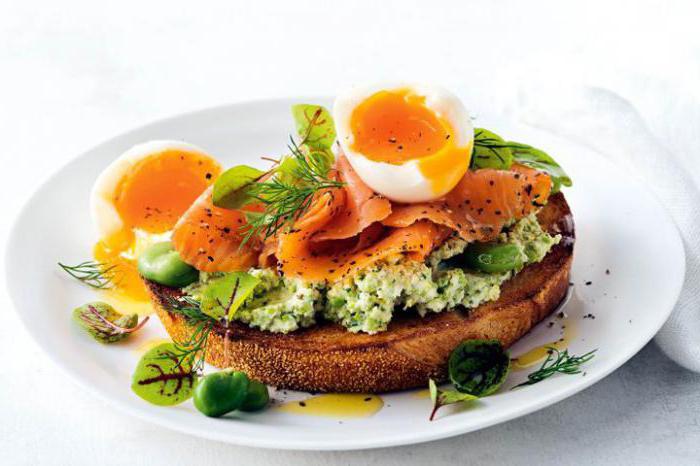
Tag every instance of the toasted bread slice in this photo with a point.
(328, 358)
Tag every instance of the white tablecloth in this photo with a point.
(75, 73)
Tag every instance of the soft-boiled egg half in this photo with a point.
(411, 143)
(137, 200)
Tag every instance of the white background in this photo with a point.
(75, 73)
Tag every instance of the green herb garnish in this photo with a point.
(222, 296)
(162, 378)
(478, 367)
(558, 362)
(189, 308)
(490, 151)
(104, 324)
(192, 352)
(98, 275)
(314, 125)
(289, 188)
(287, 198)
(231, 188)
(442, 398)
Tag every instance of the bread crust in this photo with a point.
(328, 358)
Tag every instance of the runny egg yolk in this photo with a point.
(150, 197)
(158, 190)
(396, 126)
(127, 293)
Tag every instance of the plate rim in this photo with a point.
(404, 438)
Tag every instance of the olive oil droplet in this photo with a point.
(336, 405)
(425, 393)
(538, 354)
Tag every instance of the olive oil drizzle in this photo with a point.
(539, 354)
(336, 405)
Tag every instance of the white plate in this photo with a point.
(620, 228)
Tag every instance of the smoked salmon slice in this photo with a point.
(349, 228)
(324, 207)
(300, 256)
(348, 213)
(481, 203)
(209, 238)
(362, 206)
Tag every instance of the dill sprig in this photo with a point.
(98, 275)
(286, 200)
(558, 362)
(189, 308)
(192, 352)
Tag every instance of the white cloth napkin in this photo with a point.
(609, 124)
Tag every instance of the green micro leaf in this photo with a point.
(314, 126)
(289, 191)
(490, 151)
(222, 296)
(163, 379)
(478, 367)
(295, 172)
(287, 170)
(231, 188)
(539, 160)
(104, 324)
(442, 398)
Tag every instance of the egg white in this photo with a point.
(400, 182)
(104, 214)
